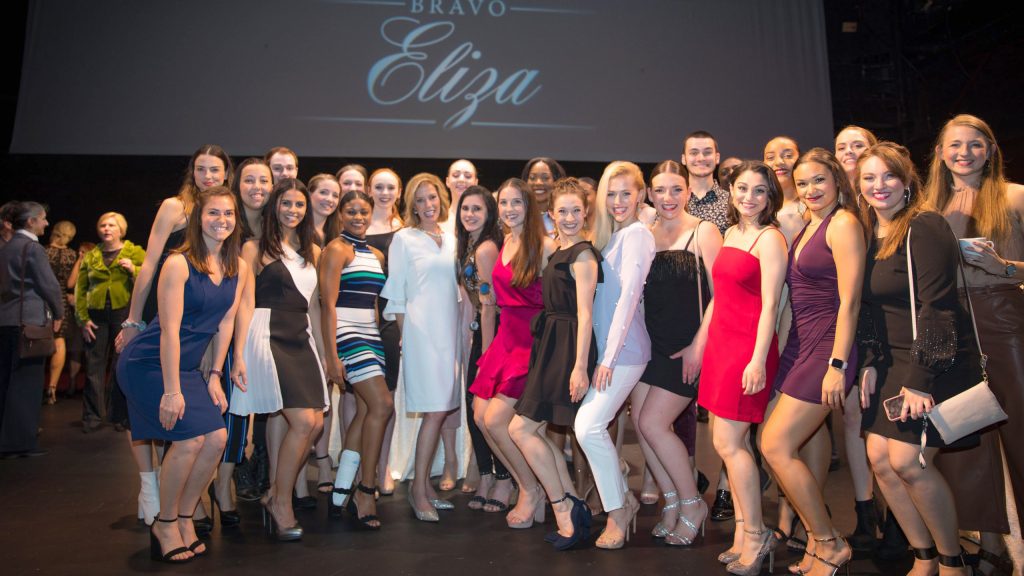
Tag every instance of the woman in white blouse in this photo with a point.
(623, 346)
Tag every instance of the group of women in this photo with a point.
(572, 303)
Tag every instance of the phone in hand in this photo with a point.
(893, 407)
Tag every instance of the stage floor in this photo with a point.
(73, 511)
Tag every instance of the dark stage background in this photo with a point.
(900, 68)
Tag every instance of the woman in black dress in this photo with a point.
(937, 364)
(563, 357)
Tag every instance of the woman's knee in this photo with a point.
(776, 449)
(303, 422)
(217, 440)
(497, 422)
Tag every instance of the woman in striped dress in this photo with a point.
(351, 275)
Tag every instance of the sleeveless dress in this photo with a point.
(731, 338)
(546, 396)
(670, 311)
(503, 367)
(390, 335)
(283, 368)
(359, 344)
(141, 378)
(814, 300)
(174, 240)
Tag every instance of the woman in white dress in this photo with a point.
(423, 298)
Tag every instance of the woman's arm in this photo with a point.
(221, 340)
(771, 253)
(486, 258)
(584, 270)
(846, 239)
(171, 302)
(395, 288)
(335, 257)
(243, 316)
(170, 213)
(709, 244)
(313, 314)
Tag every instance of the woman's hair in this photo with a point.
(332, 225)
(65, 232)
(409, 197)
(398, 190)
(270, 242)
(21, 212)
(526, 264)
(990, 216)
(897, 159)
(568, 185)
(491, 229)
(189, 188)
(604, 224)
(847, 197)
(357, 167)
(280, 150)
(557, 172)
(775, 198)
(122, 224)
(867, 134)
(194, 248)
(670, 167)
(236, 187)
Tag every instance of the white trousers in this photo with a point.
(596, 412)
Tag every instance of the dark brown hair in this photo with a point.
(767, 216)
(194, 248)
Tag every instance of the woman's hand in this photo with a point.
(915, 404)
(238, 375)
(602, 377)
(172, 409)
(833, 388)
(127, 264)
(335, 370)
(216, 390)
(753, 378)
(124, 337)
(691, 363)
(868, 379)
(89, 332)
(579, 383)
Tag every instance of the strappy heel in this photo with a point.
(797, 568)
(193, 547)
(156, 551)
(835, 566)
(581, 518)
(632, 507)
(957, 561)
(536, 516)
(767, 549)
(228, 518)
(363, 522)
(660, 530)
(729, 556)
(324, 487)
(673, 538)
(334, 510)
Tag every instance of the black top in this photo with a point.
(671, 299)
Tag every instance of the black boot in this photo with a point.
(865, 536)
(722, 508)
(894, 543)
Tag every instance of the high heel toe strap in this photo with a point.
(366, 489)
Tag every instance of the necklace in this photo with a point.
(434, 235)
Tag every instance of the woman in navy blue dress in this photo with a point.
(198, 294)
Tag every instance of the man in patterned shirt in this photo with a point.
(707, 200)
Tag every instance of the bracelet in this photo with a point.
(140, 325)
(217, 372)
(172, 394)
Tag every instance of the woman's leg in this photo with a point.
(426, 446)
(450, 471)
(384, 479)
(323, 459)
(502, 490)
(529, 438)
(198, 479)
(174, 474)
(56, 367)
(379, 407)
(291, 455)
(730, 440)
(500, 411)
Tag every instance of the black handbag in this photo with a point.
(33, 341)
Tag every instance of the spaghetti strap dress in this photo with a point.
(140, 375)
(732, 336)
(174, 240)
(814, 300)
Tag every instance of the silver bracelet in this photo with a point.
(172, 394)
(140, 325)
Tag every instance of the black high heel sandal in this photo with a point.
(228, 518)
(957, 561)
(193, 546)
(156, 551)
(335, 511)
(321, 485)
(362, 522)
(581, 518)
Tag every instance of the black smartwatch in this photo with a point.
(838, 364)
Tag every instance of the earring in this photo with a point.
(906, 194)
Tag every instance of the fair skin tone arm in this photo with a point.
(584, 270)
(243, 317)
(314, 315)
(846, 240)
(710, 242)
(225, 332)
(992, 262)
(171, 302)
(771, 252)
(336, 256)
(167, 217)
(486, 258)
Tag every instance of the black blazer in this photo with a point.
(43, 301)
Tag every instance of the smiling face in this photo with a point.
(291, 209)
(218, 218)
(384, 189)
(109, 231)
(325, 197)
(623, 197)
(352, 180)
(850, 144)
(881, 187)
(208, 171)
(750, 194)
(669, 195)
(473, 213)
(540, 181)
(700, 155)
(964, 150)
(781, 154)
(461, 175)
(816, 186)
(511, 207)
(284, 165)
(569, 215)
(355, 216)
(254, 187)
(427, 205)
